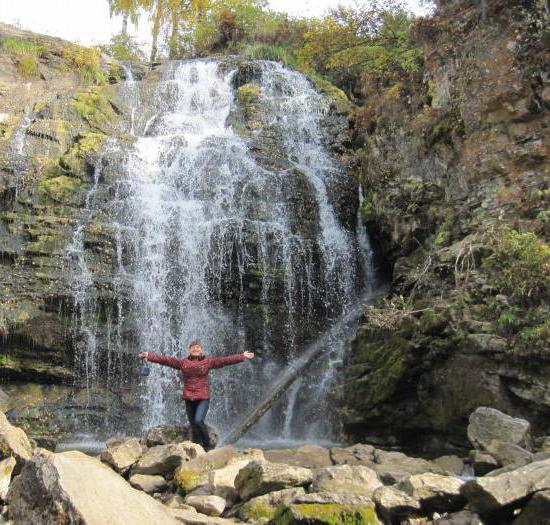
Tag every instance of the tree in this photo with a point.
(129, 9)
(352, 40)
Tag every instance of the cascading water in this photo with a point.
(210, 243)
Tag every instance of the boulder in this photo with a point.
(308, 456)
(395, 466)
(221, 482)
(6, 469)
(482, 462)
(265, 507)
(192, 517)
(489, 493)
(395, 505)
(175, 501)
(487, 424)
(508, 453)
(328, 498)
(434, 492)
(355, 455)
(451, 465)
(122, 454)
(545, 444)
(195, 473)
(539, 456)
(165, 459)
(149, 484)
(168, 434)
(349, 479)
(209, 505)
(536, 511)
(261, 477)
(75, 488)
(319, 514)
(14, 442)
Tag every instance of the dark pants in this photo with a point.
(196, 412)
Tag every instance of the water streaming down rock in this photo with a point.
(222, 239)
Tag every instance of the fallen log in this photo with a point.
(343, 327)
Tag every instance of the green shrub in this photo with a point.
(124, 47)
(18, 47)
(27, 67)
(278, 53)
(87, 62)
(521, 265)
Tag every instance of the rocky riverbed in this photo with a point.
(163, 477)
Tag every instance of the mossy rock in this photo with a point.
(327, 514)
(94, 106)
(338, 99)
(62, 189)
(188, 479)
(256, 511)
(87, 145)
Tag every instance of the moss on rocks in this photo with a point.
(87, 145)
(251, 511)
(93, 106)
(327, 514)
(62, 189)
(188, 480)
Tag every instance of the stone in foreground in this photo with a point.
(493, 492)
(487, 424)
(394, 504)
(434, 492)
(72, 487)
(149, 484)
(261, 477)
(349, 479)
(329, 514)
(307, 456)
(123, 454)
(165, 459)
(209, 505)
(265, 507)
(13, 441)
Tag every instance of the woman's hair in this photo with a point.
(195, 342)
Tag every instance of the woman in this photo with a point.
(196, 390)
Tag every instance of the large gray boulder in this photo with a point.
(206, 504)
(165, 459)
(488, 424)
(221, 482)
(354, 455)
(308, 456)
(72, 487)
(395, 466)
(265, 506)
(147, 483)
(490, 493)
(434, 492)
(395, 505)
(14, 442)
(122, 454)
(196, 472)
(508, 453)
(169, 434)
(261, 477)
(315, 514)
(349, 479)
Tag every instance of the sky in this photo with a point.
(88, 21)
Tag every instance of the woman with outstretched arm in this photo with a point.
(196, 390)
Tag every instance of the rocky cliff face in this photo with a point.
(68, 311)
(454, 163)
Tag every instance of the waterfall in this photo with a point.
(210, 244)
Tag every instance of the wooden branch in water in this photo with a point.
(339, 329)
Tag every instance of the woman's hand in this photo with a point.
(143, 355)
(248, 355)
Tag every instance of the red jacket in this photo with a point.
(195, 371)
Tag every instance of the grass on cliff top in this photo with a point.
(87, 62)
(26, 54)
